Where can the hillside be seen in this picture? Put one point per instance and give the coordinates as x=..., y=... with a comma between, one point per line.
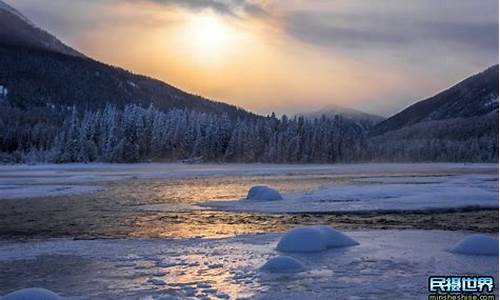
x=57, y=105
x=364, y=119
x=39, y=78
x=39, y=70
x=17, y=30
x=474, y=96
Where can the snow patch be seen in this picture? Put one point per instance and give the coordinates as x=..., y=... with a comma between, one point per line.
x=402, y=179
x=313, y=239
x=31, y=294
x=392, y=194
x=491, y=101
x=477, y=244
x=263, y=193
x=13, y=191
x=283, y=264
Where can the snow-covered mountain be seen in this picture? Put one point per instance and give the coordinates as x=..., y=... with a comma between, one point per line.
x=459, y=124
x=473, y=97
x=45, y=86
x=17, y=30
x=347, y=113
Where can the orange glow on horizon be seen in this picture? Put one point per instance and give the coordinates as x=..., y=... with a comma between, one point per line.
x=249, y=62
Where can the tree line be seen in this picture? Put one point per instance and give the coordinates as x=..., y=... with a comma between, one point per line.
x=135, y=133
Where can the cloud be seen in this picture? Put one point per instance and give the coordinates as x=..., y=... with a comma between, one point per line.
x=225, y=7
x=316, y=28
x=391, y=28
x=369, y=32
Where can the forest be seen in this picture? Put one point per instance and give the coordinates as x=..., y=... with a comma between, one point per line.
x=62, y=134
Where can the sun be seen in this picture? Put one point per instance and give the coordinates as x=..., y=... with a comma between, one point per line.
x=209, y=34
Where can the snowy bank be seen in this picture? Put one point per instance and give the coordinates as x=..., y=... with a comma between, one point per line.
x=24, y=177
x=392, y=194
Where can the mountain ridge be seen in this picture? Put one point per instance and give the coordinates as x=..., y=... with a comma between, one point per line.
x=39, y=70
x=355, y=115
x=17, y=30
x=474, y=96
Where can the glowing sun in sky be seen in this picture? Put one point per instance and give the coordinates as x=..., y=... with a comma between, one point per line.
x=210, y=35
x=209, y=32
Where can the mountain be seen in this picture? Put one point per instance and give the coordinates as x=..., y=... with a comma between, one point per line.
x=459, y=124
x=39, y=70
x=473, y=97
x=58, y=105
x=368, y=120
x=17, y=30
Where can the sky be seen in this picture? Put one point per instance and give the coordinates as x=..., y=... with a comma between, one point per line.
x=285, y=56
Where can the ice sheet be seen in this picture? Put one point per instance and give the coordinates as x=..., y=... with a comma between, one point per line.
x=27, y=178
x=389, y=194
x=385, y=263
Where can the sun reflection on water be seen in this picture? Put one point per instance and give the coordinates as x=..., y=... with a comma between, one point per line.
x=180, y=195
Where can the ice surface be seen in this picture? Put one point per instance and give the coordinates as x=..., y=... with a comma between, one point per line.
x=283, y=264
x=384, y=264
x=445, y=193
x=31, y=294
x=402, y=179
x=477, y=244
x=263, y=193
x=313, y=239
x=26, y=177
x=13, y=191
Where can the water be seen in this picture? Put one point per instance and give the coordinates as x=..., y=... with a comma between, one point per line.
x=111, y=244
x=129, y=209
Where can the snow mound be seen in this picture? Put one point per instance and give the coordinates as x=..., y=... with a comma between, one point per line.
x=283, y=264
x=32, y=294
x=302, y=239
x=334, y=238
x=477, y=244
x=313, y=239
x=263, y=193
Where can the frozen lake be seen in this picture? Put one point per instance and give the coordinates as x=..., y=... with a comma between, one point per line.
x=149, y=230
x=384, y=263
x=177, y=200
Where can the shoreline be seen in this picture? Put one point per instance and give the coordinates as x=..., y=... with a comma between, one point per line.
x=175, y=225
x=117, y=211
